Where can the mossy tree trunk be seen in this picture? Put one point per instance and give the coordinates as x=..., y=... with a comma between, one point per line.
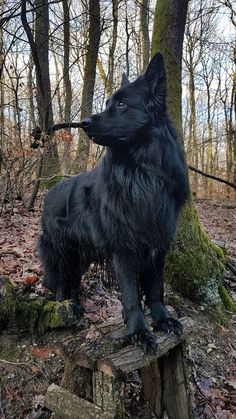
x=195, y=266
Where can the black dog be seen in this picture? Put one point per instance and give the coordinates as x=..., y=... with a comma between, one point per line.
x=126, y=209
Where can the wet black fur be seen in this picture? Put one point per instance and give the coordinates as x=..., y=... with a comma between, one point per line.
x=126, y=209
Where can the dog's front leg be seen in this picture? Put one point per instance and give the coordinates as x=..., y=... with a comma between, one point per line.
x=153, y=287
x=139, y=333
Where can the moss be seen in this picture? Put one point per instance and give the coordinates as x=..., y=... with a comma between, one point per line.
x=195, y=266
x=49, y=182
x=226, y=299
x=51, y=164
x=28, y=313
x=55, y=314
x=8, y=301
x=33, y=315
x=9, y=350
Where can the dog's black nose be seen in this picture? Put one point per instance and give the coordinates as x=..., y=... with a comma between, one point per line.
x=86, y=122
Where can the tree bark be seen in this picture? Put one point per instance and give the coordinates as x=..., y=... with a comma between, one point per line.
x=2, y=119
x=51, y=158
x=39, y=45
x=32, y=121
x=89, y=75
x=115, y=6
x=67, y=83
x=144, y=33
x=195, y=266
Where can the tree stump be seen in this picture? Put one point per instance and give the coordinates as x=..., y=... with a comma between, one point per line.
x=97, y=368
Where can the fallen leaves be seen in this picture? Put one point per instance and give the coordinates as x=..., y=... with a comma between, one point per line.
x=211, y=347
x=31, y=279
x=43, y=353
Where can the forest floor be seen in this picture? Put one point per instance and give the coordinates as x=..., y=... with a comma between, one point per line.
x=28, y=366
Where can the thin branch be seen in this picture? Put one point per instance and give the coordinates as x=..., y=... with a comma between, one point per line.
x=233, y=185
x=63, y=125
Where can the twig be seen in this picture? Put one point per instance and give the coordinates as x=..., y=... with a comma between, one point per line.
x=4, y=361
x=65, y=125
x=233, y=185
x=46, y=179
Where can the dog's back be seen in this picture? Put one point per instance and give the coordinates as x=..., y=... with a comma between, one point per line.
x=127, y=208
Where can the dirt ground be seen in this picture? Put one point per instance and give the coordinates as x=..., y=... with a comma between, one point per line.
x=28, y=366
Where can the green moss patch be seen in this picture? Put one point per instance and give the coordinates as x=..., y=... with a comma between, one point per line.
x=196, y=266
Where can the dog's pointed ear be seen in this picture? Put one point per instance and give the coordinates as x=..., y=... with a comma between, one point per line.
x=155, y=75
x=124, y=80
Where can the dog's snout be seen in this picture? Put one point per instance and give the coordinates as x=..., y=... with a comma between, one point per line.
x=86, y=123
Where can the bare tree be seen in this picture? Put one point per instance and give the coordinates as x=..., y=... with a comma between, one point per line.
x=66, y=80
x=90, y=72
x=49, y=162
x=144, y=32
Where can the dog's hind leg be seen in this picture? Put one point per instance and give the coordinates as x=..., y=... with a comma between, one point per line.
x=139, y=333
x=153, y=287
x=62, y=269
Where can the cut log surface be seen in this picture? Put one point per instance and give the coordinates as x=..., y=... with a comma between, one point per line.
x=66, y=405
x=110, y=354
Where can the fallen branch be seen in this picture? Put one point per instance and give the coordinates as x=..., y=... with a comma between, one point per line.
x=231, y=184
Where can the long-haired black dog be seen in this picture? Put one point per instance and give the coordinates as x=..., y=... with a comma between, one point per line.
x=126, y=209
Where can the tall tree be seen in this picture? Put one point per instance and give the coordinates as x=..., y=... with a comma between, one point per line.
x=1, y=86
x=89, y=73
x=195, y=266
x=144, y=32
x=66, y=79
x=49, y=162
x=44, y=99
x=115, y=6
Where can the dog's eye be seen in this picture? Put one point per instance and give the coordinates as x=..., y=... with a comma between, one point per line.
x=121, y=104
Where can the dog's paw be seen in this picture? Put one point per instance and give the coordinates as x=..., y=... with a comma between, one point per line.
x=146, y=340
x=170, y=325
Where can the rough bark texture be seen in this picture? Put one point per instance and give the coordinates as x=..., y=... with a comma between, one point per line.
x=1, y=86
x=115, y=6
x=67, y=82
x=144, y=33
x=195, y=266
x=108, y=363
x=168, y=34
x=32, y=121
x=51, y=159
x=89, y=73
x=69, y=406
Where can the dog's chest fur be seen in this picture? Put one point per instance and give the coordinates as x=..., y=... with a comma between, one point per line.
x=132, y=205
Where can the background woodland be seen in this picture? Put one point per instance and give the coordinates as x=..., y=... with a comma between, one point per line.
x=60, y=60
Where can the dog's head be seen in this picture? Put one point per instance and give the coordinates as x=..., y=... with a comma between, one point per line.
x=133, y=107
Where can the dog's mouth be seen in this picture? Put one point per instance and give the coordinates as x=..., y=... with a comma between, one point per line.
x=104, y=140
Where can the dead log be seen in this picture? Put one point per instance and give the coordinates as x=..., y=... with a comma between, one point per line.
x=66, y=405
x=164, y=375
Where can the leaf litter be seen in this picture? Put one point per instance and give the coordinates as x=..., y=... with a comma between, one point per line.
x=29, y=366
